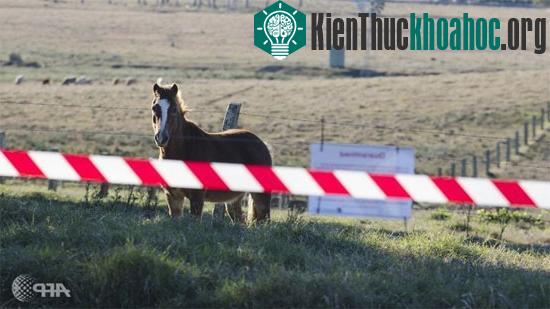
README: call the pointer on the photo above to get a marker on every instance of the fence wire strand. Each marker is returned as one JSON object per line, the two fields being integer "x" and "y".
{"x": 434, "y": 131}
{"x": 440, "y": 156}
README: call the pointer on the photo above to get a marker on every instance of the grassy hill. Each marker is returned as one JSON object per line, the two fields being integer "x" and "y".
{"x": 112, "y": 254}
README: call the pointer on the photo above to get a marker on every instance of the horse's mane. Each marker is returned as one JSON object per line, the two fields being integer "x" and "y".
{"x": 181, "y": 103}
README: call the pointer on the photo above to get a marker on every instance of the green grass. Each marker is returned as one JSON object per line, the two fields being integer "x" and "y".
{"x": 112, "y": 254}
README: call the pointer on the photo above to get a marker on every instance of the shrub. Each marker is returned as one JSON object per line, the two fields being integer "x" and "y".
{"x": 460, "y": 227}
{"x": 504, "y": 217}
{"x": 440, "y": 214}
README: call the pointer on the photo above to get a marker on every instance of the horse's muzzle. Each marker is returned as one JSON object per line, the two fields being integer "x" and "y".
{"x": 161, "y": 139}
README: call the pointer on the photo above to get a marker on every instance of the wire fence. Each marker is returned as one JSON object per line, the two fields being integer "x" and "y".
{"x": 442, "y": 157}
{"x": 435, "y": 131}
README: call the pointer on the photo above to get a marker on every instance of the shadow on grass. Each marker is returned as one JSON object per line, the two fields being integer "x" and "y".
{"x": 118, "y": 257}
{"x": 520, "y": 248}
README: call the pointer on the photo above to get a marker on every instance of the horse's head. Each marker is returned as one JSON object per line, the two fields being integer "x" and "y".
{"x": 167, "y": 108}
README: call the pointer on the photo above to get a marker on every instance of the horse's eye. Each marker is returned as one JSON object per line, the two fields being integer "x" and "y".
{"x": 156, "y": 110}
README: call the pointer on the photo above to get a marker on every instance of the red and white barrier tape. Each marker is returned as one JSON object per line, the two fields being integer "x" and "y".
{"x": 294, "y": 180}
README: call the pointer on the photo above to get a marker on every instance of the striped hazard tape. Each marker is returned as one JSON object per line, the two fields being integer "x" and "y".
{"x": 294, "y": 180}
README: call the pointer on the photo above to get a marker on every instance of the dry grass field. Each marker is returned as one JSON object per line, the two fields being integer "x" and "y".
{"x": 446, "y": 105}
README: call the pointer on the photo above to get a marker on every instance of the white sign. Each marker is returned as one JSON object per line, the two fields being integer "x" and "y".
{"x": 369, "y": 158}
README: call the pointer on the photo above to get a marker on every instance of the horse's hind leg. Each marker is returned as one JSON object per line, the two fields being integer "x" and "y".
{"x": 259, "y": 207}
{"x": 234, "y": 210}
{"x": 196, "y": 206}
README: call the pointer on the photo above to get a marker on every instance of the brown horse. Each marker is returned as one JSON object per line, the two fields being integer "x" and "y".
{"x": 181, "y": 139}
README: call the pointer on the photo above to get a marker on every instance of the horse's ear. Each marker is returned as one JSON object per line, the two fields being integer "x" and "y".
{"x": 156, "y": 88}
{"x": 174, "y": 88}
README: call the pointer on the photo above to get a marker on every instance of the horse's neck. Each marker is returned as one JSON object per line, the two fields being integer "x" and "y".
{"x": 182, "y": 144}
{"x": 191, "y": 132}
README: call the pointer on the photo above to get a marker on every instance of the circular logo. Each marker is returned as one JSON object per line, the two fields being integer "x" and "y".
{"x": 22, "y": 288}
{"x": 279, "y": 30}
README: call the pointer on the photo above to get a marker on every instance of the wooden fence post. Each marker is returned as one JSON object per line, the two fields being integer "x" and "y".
{"x": 230, "y": 121}
{"x": 508, "y": 152}
{"x": 2, "y": 146}
{"x": 516, "y": 143}
{"x": 542, "y": 113}
{"x": 53, "y": 184}
{"x": 231, "y": 118}
{"x": 152, "y": 199}
{"x": 497, "y": 155}
{"x": 474, "y": 166}
{"x": 463, "y": 168}
{"x": 453, "y": 169}
{"x": 526, "y": 133}
{"x": 103, "y": 190}
{"x": 534, "y": 124}
{"x": 322, "y": 132}
{"x": 487, "y": 162}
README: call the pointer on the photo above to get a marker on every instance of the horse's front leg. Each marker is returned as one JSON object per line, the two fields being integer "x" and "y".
{"x": 175, "y": 202}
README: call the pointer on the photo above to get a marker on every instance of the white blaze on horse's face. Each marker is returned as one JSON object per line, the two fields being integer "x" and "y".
{"x": 162, "y": 136}
{"x": 164, "y": 105}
